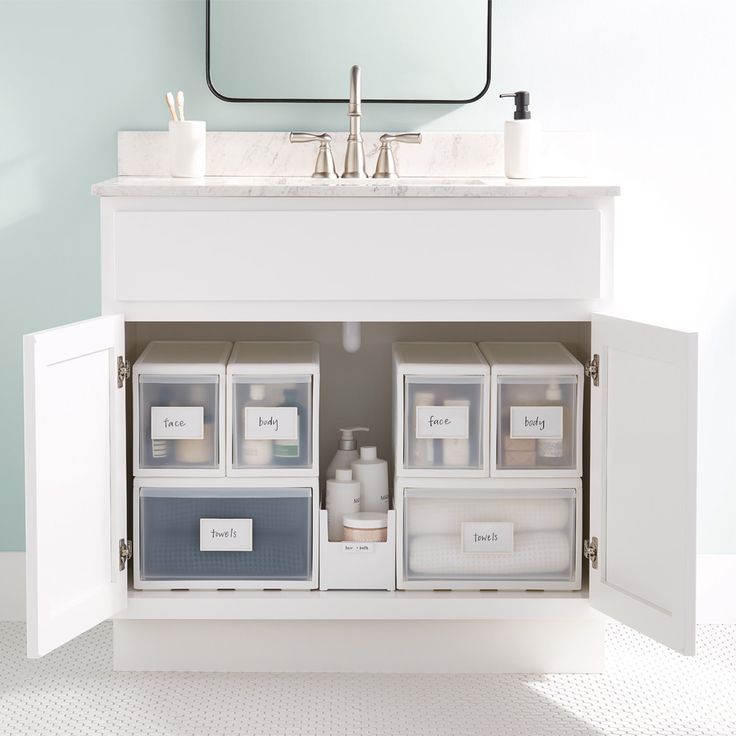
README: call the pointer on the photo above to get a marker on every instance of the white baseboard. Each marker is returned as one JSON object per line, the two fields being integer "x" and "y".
{"x": 716, "y": 596}
{"x": 12, "y": 586}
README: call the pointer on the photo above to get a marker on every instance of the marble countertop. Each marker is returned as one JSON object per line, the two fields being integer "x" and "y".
{"x": 241, "y": 186}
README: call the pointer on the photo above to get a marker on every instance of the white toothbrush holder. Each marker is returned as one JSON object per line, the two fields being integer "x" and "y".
{"x": 187, "y": 147}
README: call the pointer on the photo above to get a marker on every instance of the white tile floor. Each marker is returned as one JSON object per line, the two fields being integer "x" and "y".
{"x": 646, "y": 691}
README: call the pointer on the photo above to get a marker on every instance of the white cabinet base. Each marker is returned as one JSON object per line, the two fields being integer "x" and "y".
{"x": 503, "y": 646}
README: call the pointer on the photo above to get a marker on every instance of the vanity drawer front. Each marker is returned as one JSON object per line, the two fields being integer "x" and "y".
{"x": 355, "y": 255}
{"x": 478, "y": 538}
{"x": 202, "y": 537}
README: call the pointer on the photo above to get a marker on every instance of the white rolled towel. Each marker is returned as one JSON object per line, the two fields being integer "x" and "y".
{"x": 536, "y": 554}
{"x": 445, "y": 515}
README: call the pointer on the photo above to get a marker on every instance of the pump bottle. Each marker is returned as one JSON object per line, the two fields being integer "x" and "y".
{"x": 521, "y": 140}
{"x": 347, "y": 451}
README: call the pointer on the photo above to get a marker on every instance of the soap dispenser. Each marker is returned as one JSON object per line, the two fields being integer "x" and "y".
{"x": 521, "y": 138}
{"x": 347, "y": 451}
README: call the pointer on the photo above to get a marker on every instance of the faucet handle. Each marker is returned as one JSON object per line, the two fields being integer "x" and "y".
{"x": 324, "y": 167}
{"x": 386, "y": 163}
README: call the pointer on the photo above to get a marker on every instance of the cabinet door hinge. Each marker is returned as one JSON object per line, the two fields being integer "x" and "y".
{"x": 123, "y": 371}
{"x": 593, "y": 369}
{"x": 590, "y": 551}
{"x": 126, "y": 552}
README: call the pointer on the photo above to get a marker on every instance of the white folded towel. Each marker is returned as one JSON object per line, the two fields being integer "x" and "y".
{"x": 535, "y": 555}
{"x": 445, "y": 515}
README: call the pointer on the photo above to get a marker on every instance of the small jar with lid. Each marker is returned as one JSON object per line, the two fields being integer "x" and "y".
{"x": 365, "y": 526}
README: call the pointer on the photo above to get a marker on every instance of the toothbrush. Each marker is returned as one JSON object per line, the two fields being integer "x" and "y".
{"x": 170, "y": 103}
{"x": 180, "y": 104}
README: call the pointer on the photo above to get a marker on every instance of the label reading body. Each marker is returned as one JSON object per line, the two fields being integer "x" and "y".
{"x": 536, "y": 421}
{"x": 446, "y": 422}
{"x": 177, "y": 422}
{"x": 226, "y": 535}
{"x": 487, "y": 536}
{"x": 271, "y": 423}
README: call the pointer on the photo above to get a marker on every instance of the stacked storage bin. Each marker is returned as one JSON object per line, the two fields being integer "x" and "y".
{"x": 226, "y": 492}
{"x": 504, "y": 517}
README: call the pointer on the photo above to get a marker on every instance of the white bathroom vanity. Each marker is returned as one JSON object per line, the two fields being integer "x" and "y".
{"x": 475, "y": 259}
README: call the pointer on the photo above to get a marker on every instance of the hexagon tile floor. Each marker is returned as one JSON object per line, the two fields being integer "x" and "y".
{"x": 646, "y": 691}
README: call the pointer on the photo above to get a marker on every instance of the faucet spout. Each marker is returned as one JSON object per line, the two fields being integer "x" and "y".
{"x": 354, "y": 154}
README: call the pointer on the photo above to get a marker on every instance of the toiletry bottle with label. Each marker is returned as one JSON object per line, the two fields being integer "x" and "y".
{"x": 456, "y": 452}
{"x": 422, "y": 449}
{"x": 521, "y": 140}
{"x": 372, "y": 472}
{"x": 255, "y": 452}
{"x": 286, "y": 451}
{"x": 551, "y": 451}
{"x": 347, "y": 451}
{"x": 342, "y": 497}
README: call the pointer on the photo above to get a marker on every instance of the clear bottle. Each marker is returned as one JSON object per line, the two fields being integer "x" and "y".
{"x": 422, "y": 448}
{"x": 456, "y": 452}
{"x": 255, "y": 452}
{"x": 551, "y": 451}
{"x": 287, "y": 451}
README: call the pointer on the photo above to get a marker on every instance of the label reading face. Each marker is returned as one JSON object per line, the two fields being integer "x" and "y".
{"x": 177, "y": 422}
{"x": 536, "y": 421}
{"x": 446, "y": 422}
{"x": 487, "y": 536}
{"x": 271, "y": 423}
{"x": 226, "y": 535}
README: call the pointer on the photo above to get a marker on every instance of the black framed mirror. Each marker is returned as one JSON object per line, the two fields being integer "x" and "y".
{"x": 410, "y": 51}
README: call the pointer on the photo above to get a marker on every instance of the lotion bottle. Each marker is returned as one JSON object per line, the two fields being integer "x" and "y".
{"x": 342, "y": 497}
{"x": 372, "y": 472}
{"x": 347, "y": 451}
{"x": 521, "y": 138}
{"x": 550, "y": 451}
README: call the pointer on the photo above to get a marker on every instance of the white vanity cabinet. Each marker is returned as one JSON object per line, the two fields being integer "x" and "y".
{"x": 210, "y": 252}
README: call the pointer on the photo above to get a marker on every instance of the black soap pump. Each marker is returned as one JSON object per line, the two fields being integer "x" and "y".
{"x": 521, "y": 137}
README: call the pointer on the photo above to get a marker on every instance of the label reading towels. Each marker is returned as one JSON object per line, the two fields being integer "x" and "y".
{"x": 487, "y": 536}
{"x": 226, "y": 535}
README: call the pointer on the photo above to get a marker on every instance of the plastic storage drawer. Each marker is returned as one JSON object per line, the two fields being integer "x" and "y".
{"x": 273, "y": 409}
{"x": 440, "y": 410}
{"x": 179, "y": 409}
{"x": 225, "y": 536}
{"x": 508, "y": 537}
{"x": 536, "y": 410}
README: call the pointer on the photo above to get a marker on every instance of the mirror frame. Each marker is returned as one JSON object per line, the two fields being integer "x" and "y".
{"x": 225, "y": 98}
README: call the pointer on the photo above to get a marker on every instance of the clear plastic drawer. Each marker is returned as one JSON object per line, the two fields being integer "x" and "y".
{"x": 207, "y": 537}
{"x": 443, "y": 422}
{"x": 490, "y": 539}
{"x": 272, "y": 422}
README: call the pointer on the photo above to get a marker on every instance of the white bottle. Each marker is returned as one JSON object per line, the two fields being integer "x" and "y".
{"x": 343, "y": 497}
{"x": 256, "y": 452}
{"x": 347, "y": 451}
{"x": 552, "y": 449}
{"x": 456, "y": 452}
{"x": 372, "y": 472}
{"x": 521, "y": 140}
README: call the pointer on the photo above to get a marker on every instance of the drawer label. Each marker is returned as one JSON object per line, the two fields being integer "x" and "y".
{"x": 177, "y": 422}
{"x": 358, "y": 547}
{"x": 446, "y": 422}
{"x": 271, "y": 423}
{"x": 226, "y": 535}
{"x": 536, "y": 421}
{"x": 487, "y": 536}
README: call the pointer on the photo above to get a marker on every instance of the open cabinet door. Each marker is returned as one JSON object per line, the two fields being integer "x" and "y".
{"x": 643, "y": 479}
{"x": 75, "y": 480}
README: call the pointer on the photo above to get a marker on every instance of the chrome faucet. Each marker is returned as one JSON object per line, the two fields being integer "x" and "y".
{"x": 354, "y": 155}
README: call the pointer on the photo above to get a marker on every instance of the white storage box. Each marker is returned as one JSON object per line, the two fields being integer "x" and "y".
{"x": 179, "y": 409}
{"x": 498, "y": 535}
{"x": 273, "y": 409}
{"x": 536, "y": 410}
{"x": 357, "y": 565}
{"x": 441, "y": 418}
{"x": 225, "y": 534}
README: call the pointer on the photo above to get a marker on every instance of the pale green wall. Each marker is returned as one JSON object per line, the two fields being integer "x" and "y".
{"x": 650, "y": 81}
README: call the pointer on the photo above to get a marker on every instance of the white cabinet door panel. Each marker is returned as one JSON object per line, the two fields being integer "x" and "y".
{"x": 643, "y": 478}
{"x": 75, "y": 480}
